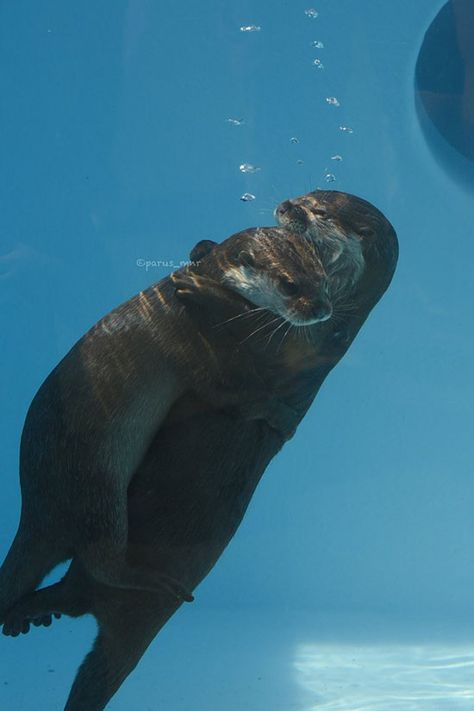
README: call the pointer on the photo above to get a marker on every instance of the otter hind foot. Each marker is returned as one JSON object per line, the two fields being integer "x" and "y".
{"x": 19, "y": 619}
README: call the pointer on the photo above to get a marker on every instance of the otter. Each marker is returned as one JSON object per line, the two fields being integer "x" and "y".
{"x": 343, "y": 227}
{"x": 185, "y": 503}
{"x": 192, "y": 487}
{"x": 94, "y": 417}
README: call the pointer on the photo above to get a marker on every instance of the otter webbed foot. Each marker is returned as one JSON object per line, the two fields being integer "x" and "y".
{"x": 19, "y": 619}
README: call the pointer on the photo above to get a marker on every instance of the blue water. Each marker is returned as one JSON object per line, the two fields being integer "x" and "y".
{"x": 350, "y": 582}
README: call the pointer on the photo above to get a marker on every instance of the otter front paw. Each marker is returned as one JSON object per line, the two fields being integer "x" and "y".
{"x": 217, "y": 302}
{"x": 191, "y": 288}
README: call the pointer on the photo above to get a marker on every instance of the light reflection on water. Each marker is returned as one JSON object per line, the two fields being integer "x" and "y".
{"x": 385, "y": 677}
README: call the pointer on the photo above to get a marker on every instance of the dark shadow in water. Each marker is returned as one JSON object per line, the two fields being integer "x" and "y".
{"x": 444, "y": 88}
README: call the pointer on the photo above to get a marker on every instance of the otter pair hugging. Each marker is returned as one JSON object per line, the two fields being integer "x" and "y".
{"x": 141, "y": 450}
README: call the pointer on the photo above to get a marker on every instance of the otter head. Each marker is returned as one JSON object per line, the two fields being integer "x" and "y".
{"x": 280, "y": 272}
{"x": 341, "y": 225}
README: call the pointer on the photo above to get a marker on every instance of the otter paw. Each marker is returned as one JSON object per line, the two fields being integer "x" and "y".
{"x": 190, "y": 288}
{"x": 15, "y": 624}
{"x": 17, "y": 621}
{"x": 216, "y": 301}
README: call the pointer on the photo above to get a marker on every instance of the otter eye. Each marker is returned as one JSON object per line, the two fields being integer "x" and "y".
{"x": 289, "y": 287}
{"x": 366, "y": 232}
{"x": 246, "y": 259}
{"x": 320, "y": 212}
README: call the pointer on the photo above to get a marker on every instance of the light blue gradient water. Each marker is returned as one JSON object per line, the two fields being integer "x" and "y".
{"x": 350, "y": 584}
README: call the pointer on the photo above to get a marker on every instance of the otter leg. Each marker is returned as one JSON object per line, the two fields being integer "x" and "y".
{"x": 110, "y": 571}
{"x": 28, "y": 561}
{"x": 125, "y": 632}
{"x": 73, "y": 595}
{"x": 104, "y": 554}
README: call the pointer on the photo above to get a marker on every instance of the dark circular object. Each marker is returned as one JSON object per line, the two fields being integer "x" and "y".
{"x": 444, "y": 88}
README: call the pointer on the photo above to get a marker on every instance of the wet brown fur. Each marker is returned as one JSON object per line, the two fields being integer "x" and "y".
{"x": 207, "y": 454}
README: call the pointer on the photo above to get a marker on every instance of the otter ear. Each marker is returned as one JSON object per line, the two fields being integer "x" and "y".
{"x": 201, "y": 249}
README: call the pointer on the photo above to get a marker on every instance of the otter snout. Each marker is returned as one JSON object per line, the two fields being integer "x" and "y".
{"x": 322, "y": 312}
{"x": 306, "y": 314}
{"x": 287, "y": 214}
{"x": 282, "y": 208}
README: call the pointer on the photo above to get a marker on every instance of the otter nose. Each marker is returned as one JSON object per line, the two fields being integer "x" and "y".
{"x": 283, "y": 207}
{"x": 321, "y": 312}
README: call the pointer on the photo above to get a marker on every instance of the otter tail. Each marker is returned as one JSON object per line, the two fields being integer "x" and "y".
{"x": 28, "y": 561}
{"x": 125, "y": 632}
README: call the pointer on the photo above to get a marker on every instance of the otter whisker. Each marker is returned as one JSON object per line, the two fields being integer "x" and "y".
{"x": 300, "y": 332}
{"x": 284, "y": 336}
{"x": 337, "y": 319}
{"x": 345, "y": 308}
{"x": 275, "y": 330}
{"x": 251, "y": 312}
{"x": 268, "y": 323}
{"x": 343, "y": 311}
{"x": 308, "y": 334}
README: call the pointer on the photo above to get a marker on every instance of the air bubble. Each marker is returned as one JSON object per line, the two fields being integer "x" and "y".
{"x": 247, "y": 197}
{"x": 248, "y": 168}
{"x": 250, "y": 28}
{"x": 332, "y": 101}
{"x": 318, "y": 64}
{"x": 336, "y": 157}
{"x": 294, "y": 139}
{"x": 300, "y": 162}
{"x": 346, "y": 129}
{"x": 235, "y": 122}
{"x": 311, "y": 13}
{"x": 317, "y": 44}
{"x": 330, "y": 178}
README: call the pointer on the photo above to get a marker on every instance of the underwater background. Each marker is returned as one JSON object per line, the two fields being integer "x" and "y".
{"x": 350, "y": 583}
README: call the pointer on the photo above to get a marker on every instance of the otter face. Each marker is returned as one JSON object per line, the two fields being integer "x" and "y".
{"x": 283, "y": 274}
{"x": 320, "y": 215}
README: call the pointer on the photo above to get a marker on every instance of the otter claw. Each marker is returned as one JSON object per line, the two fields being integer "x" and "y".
{"x": 176, "y": 589}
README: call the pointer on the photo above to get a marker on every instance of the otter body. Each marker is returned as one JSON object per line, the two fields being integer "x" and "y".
{"x": 195, "y": 480}
{"x": 93, "y": 419}
{"x": 184, "y": 505}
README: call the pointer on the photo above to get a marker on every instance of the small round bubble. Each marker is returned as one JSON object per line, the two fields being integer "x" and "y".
{"x": 332, "y": 101}
{"x": 248, "y": 168}
{"x": 247, "y": 197}
{"x": 330, "y": 178}
{"x": 311, "y": 13}
{"x": 317, "y": 44}
{"x": 318, "y": 64}
{"x": 294, "y": 139}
